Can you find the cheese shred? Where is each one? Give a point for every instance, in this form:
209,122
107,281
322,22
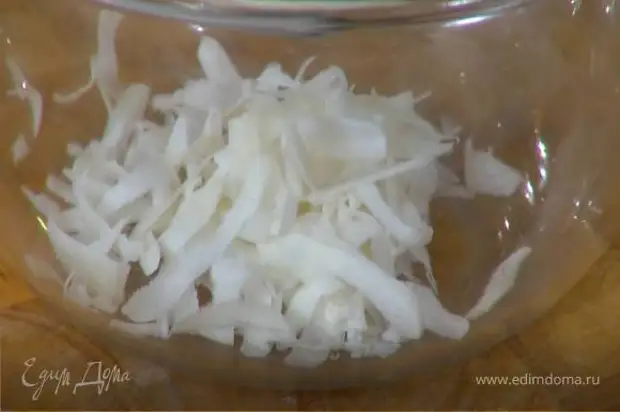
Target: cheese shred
300,204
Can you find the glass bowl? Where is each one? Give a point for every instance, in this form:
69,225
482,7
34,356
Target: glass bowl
535,81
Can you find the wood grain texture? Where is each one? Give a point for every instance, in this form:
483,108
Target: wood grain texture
578,338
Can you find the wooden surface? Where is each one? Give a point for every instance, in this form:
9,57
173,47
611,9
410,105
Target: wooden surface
579,338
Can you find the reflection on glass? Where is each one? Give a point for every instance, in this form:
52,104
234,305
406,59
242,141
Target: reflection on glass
528,192
542,159
468,21
507,224
42,223
197,28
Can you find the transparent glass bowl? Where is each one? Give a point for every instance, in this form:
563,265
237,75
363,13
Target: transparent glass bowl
535,81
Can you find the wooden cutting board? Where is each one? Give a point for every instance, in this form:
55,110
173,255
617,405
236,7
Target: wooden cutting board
578,339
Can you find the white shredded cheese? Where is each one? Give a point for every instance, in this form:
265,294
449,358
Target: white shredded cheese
73,96
300,204
104,65
151,256
138,329
436,318
42,203
390,296
238,315
20,149
502,280
25,91
187,306
484,174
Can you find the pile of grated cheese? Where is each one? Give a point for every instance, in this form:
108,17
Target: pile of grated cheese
299,204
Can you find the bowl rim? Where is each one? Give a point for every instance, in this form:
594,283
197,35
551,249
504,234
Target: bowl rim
313,17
